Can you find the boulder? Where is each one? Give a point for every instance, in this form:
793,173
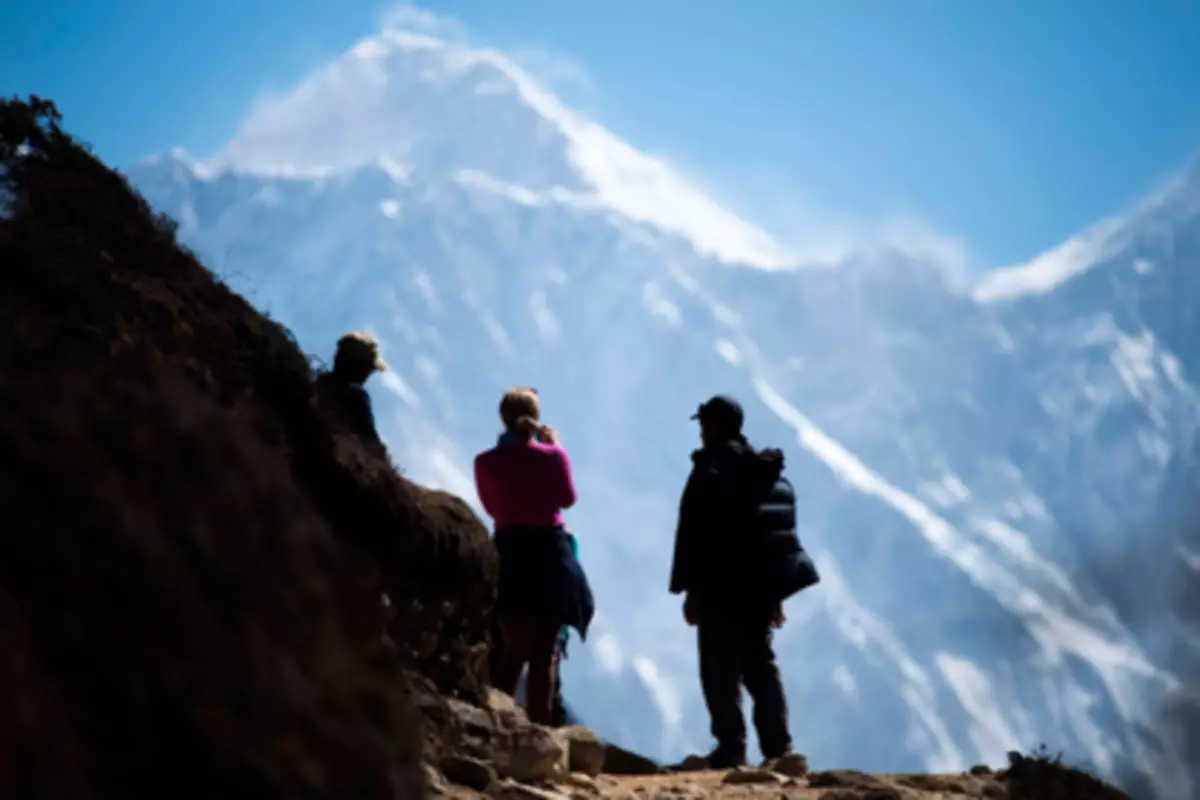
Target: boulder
744,775
843,778
794,765
472,719
435,784
471,731
583,785
619,761
508,715
585,752
512,790
530,754
473,773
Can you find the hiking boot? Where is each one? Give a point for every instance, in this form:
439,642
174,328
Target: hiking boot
726,758
771,758
792,764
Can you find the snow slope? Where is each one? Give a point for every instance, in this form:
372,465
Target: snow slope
963,462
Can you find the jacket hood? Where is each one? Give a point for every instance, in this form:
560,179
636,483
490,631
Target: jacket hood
762,465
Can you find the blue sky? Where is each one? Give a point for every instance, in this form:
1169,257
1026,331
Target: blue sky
1012,125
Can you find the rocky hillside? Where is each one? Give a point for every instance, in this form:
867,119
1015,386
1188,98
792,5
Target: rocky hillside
193,562
496,753
208,590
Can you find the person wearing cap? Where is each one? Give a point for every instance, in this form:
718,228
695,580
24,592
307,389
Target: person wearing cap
737,558
341,388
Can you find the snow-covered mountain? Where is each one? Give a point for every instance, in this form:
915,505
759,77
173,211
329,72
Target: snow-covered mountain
966,463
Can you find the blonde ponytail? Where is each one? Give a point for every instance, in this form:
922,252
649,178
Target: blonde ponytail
520,411
526,428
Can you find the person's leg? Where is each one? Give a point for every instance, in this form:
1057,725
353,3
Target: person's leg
720,679
760,672
558,713
496,654
543,660
514,652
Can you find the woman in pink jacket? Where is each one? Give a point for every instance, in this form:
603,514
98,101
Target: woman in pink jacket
524,483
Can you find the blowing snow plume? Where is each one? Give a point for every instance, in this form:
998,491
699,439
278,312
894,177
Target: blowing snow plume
192,560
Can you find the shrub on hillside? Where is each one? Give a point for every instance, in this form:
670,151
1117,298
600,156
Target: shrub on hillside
1042,776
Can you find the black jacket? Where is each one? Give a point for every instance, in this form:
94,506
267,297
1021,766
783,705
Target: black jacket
736,543
350,403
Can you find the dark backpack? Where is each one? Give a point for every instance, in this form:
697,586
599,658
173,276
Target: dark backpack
787,567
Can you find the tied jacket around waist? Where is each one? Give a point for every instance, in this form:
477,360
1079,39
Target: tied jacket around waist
525,486
736,544
539,575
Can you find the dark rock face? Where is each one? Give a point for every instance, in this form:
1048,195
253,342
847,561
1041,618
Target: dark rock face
193,556
618,761
1041,777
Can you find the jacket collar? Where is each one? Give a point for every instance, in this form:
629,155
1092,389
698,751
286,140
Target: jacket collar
721,450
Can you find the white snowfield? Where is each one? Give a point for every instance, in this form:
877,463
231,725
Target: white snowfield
962,463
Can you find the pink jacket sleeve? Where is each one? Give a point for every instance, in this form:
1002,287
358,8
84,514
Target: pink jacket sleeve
483,486
566,483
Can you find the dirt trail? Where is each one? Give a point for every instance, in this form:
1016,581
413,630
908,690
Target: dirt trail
834,785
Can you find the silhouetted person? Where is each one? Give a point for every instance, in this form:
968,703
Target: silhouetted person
341,388
737,558
524,483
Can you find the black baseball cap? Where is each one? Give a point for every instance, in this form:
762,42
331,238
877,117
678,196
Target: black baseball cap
721,408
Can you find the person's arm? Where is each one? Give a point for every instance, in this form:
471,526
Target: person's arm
679,560
685,545
564,489
683,564
365,417
483,486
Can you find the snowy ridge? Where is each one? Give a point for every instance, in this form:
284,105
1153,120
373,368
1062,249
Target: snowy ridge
296,135
1055,266
1175,204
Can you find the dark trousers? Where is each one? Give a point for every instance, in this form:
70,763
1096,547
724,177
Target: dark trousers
558,713
735,650
532,641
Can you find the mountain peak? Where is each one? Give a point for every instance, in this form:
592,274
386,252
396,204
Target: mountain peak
415,100
438,108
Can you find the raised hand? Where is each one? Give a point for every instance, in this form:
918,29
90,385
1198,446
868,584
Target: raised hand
777,617
691,613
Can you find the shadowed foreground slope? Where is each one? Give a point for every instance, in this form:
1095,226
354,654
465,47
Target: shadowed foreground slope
192,557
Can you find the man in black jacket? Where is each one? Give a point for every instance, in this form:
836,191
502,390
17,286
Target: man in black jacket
737,558
341,389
